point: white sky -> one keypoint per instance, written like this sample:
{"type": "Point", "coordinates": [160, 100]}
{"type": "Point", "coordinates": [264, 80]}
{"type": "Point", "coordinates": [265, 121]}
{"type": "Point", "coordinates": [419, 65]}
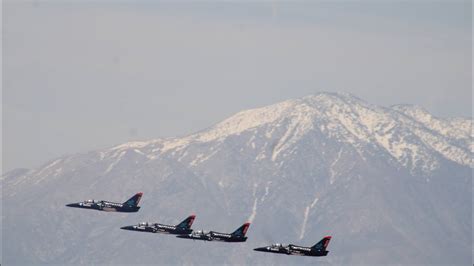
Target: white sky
{"type": "Point", "coordinates": [81, 76]}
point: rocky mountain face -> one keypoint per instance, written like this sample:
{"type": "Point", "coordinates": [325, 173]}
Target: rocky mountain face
{"type": "Point", "coordinates": [391, 185]}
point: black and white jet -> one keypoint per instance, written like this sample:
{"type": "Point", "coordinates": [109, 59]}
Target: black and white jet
{"type": "Point", "coordinates": [182, 228]}
{"type": "Point", "coordinates": [131, 205]}
{"type": "Point", "coordinates": [317, 250]}
{"type": "Point", "coordinates": [237, 236]}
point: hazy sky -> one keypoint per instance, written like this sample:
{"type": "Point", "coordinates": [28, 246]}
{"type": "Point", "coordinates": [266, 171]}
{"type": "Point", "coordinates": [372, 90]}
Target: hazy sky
{"type": "Point", "coordinates": [82, 76]}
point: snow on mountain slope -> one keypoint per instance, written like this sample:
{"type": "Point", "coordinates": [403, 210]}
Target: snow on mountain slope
{"type": "Point", "coordinates": [408, 133]}
{"type": "Point", "coordinates": [392, 185]}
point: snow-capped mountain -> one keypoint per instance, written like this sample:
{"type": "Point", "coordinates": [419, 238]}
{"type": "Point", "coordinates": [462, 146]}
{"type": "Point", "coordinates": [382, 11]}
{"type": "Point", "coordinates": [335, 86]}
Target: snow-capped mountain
{"type": "Point", "coordinates": [391, 185]}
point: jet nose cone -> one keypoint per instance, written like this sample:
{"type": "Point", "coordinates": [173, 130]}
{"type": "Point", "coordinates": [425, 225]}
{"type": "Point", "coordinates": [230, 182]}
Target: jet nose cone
{"type": "Point", "coordinates": [71, 205]}
{"type": "Point", "coordinates": [259, 249]}
{"type": "Point", "coordinates": [126, 227]}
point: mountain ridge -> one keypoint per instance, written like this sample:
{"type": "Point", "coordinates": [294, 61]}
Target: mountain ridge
{"type": "Point", "coordinates": [300, 109]}
{"type": "Point", "coordinates": [319, 165]}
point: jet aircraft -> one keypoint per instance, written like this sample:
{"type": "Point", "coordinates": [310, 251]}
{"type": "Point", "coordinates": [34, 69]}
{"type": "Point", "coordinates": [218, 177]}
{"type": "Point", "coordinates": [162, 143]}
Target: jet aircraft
{"type": "Point", "coordinates": [317, 250]}
{"type": "Point", "coordinates": [237, 236]}
{"type": "Point", "coordinates": [130, 205]}
{"type": "Point", "coordinates": [182, 228]}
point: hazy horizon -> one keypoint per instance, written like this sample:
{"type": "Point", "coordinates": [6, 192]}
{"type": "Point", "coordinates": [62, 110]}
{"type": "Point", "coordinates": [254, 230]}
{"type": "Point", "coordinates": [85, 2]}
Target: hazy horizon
{"type": "Point", "coordinates": [80, 77]}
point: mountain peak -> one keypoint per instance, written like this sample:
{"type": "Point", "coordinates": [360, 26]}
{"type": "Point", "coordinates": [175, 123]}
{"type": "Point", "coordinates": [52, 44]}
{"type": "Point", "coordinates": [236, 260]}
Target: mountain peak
{"type": "Point", "coordinates": [408, 133]}
{"type": "Point", "coordinates": [303, 109]}
{"type": "Point", "coordinates": [331, 96]}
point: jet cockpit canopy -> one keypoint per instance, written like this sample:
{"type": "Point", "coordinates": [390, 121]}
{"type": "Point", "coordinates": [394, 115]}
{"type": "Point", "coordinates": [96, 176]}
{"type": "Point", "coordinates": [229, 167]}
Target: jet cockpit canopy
{"type": "Point", "coordinates": [199, 232]}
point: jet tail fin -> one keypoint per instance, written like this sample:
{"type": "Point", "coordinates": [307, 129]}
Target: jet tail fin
{"type": "Point", "coordinates": [133, 201]}
{"type": "Point", "coordinates": [241, 231]}
{"type": "Point", "coordinates": [323, 244]}
{"type": "Point", "coordinates": [187, 223]}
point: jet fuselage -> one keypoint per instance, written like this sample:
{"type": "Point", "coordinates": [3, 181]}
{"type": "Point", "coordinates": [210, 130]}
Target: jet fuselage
{"type": "Point", "coordinates": [182, 228]}
{"type": "Point", "coordinates": [104, 206]}
{"type": "Point", "coordinates": [158, 228]}
{"type": "Point", "coordinates": [292, 250]}
{"type": "Point", "coordinates": [131, 205]}
{"type": "Point", "coordinates": [318, 250]}
{"type": "Point", "coordinates": [214, 236]}
{"type": "Point", "coordinates": [237, 236]}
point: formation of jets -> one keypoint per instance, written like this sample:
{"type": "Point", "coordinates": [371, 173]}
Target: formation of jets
{"type": "Point", "coordinates": [183, 229]}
